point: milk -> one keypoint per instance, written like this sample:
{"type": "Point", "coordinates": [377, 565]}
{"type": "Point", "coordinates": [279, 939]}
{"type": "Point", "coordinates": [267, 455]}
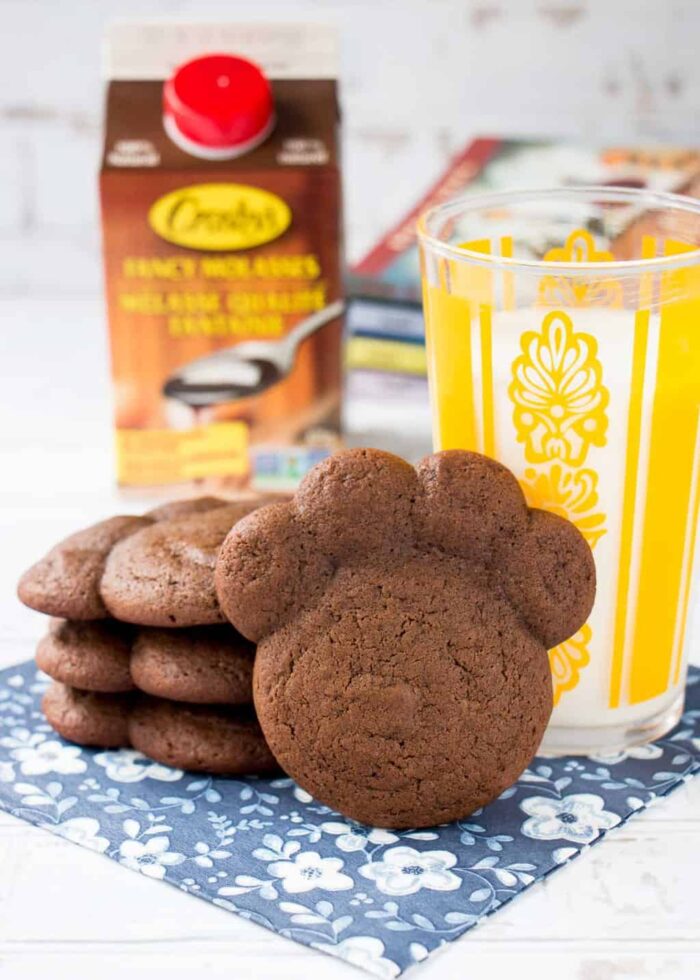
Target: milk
{"type": "Point", "coordinates": [595, 411]}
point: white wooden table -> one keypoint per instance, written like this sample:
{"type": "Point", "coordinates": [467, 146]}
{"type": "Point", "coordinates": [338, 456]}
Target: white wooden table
{"type": "Point", "coordinates": [627, 910]}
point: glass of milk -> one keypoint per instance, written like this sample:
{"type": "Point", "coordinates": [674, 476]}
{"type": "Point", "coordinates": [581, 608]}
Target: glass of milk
{"type": "Point", "coordinates": [563, 333]}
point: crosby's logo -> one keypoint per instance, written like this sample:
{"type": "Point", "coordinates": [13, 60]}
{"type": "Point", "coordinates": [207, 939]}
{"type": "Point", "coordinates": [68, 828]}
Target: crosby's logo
{"type": "Point", "coordinates": [219, 217]}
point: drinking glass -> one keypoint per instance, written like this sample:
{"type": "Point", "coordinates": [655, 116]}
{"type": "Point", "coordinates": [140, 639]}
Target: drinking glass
{"type": "Point", "coordinates": [563, 339]}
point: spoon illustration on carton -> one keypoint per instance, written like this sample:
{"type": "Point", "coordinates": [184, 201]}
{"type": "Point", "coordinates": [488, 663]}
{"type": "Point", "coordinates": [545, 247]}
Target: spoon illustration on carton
{"type": "Point", "coordinates": [246, 369]}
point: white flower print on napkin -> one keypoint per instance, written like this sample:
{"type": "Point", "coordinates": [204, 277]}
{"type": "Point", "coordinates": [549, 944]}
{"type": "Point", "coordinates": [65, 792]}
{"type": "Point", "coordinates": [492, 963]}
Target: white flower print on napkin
{"type": "Point", "coordinates": [129, 766]}
{"type": "Point", "coordinates": [404, 871]}
{"type": "Point", "coordinates": [649, 751]}
{"type": "Point", "coordinates": [38, 760]}
{"type": "Point", "coordinates": [150, 857]}
{"type": "Point", "coordinates": [354, 837]}
{"type": "Point", "coordinates": [309, 870]}
{"type": "Point", "coordinates": [83, 831]}
{"type": "Point", "coordinates": [579, 818]}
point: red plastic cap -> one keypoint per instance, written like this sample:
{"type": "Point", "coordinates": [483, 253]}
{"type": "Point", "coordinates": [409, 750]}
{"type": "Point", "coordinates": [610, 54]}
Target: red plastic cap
{"type": "Point", "coordinates": [219, 102]}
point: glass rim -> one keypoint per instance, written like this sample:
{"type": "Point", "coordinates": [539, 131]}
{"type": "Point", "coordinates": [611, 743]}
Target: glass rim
{"type": "Point", "coordinates": [660, 200]}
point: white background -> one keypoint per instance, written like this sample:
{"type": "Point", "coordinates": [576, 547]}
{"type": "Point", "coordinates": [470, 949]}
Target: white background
{"type": "Point", "coordinates": [419, 78]}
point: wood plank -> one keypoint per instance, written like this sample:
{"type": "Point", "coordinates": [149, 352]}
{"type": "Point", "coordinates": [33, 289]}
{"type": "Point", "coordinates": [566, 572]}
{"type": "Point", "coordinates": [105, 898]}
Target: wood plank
{"type": "Point", "coordinates": [636, 885]}
{"type": "Point", "coordinates": [117, 961]}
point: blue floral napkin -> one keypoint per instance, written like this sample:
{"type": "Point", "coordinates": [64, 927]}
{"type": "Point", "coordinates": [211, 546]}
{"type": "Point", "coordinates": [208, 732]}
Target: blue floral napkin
{"type": "Point", "coordinates": [266, 850]}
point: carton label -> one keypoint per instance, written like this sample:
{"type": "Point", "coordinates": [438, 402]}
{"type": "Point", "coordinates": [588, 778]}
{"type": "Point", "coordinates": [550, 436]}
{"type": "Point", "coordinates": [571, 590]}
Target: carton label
{"type": "Point", "coordinates": [152, 456]}
{"type": "Point", "coordinates": [219, 217]}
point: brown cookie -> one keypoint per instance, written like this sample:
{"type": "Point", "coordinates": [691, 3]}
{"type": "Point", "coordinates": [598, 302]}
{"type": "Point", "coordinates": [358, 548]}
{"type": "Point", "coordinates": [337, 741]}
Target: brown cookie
{"type": "Point", "coordinates": [202, 738]}
{"type": "Point", "coordinates": [92, 656]}
{"type": "Point", "coordinates": [175, 509]}
{"type": "Point", "coordinates": [164, 574]}
{"type": "Point", "coordinates": [197, 737]}
{"type": "Point", "coordinates": [66, 581]}
{"type": "Point", "coordinates": [200, 665]}
{"type": "Point", "coordinates": [402, 618]}
{"type": "Point", "coordinates": [87, 718]}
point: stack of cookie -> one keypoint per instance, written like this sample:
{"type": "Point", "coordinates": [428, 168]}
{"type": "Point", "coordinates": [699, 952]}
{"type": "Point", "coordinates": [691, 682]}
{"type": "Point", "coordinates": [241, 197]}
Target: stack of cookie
{"type": "Point", "coordinates": [139, 650]}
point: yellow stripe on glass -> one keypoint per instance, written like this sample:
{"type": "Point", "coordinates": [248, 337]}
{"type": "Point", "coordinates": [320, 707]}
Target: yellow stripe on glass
{"type": "Point", "coordinates": [487, 393]}
{"type": "Point", "coordinates": [634, 428]}
{"type": "Point", "coordinates": [462, 293]}
{"type": "Point", "coordinates": [449, 351]}
{"type": "Point", "coordinates": [477, 283]}
{"type": "Point", "coordinates": [666, 550]}
{"type": "Point", "coordinates": [691, 534]}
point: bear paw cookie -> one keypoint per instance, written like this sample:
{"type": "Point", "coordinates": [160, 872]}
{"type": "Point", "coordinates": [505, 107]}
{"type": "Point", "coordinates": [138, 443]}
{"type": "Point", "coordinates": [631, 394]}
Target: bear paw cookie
{"type": "Point", "coordinates": [403, 618]}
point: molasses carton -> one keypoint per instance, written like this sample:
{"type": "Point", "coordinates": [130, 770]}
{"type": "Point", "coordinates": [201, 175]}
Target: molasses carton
{"type": "Point", "coordinates": [220, 192]}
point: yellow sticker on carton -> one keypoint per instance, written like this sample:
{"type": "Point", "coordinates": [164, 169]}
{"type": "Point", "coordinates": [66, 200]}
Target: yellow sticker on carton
{"type": "Point", "coordinates": [219, 217]}
{"type": "Point", "coordinates": [148, 457]}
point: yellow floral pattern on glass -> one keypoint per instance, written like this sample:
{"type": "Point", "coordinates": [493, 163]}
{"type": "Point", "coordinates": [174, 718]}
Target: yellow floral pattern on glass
{"type": "Point", "coordinates": [558, 393]}
{"type": "Point", "coordinates": [560, 405]}
{"type": "Point", "coordinates": [571, 494]}
{"type": "Point", "coordinates": [569, 291]}
{"type": "Point", "coordinates": [568, 660]}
